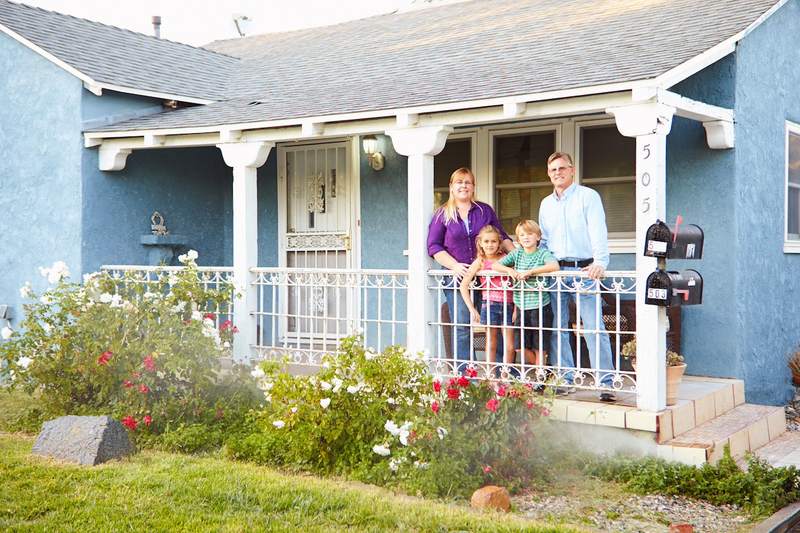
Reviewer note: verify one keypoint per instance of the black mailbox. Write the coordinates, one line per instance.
(661, 241)
(670, 289)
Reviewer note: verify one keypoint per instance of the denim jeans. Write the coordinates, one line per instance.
(589, 317)
(459, 316)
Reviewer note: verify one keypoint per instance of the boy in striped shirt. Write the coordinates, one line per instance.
(534, 315)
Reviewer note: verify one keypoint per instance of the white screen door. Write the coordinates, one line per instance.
(319, 235)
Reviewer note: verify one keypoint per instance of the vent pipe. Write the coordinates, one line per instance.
(157, 26)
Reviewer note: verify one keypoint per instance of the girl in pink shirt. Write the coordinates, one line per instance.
(497, 307)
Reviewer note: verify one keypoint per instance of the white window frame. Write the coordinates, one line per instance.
(790, 246)
(618, 242)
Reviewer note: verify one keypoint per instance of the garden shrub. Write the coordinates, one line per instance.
(383, 418)
(145, 353)
(760, 489)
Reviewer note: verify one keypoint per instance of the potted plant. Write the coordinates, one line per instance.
(675, 368)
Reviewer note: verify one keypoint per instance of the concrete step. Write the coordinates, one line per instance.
(744, 428)
(783, 451)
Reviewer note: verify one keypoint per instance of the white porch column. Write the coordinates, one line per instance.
(650, 123)
(245, 158)
(420, 145)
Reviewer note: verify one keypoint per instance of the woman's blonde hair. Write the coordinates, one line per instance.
(484, 231)
(449, 208)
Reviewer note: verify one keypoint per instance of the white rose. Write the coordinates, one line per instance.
(294, 410)
(182, 258)
(325, 402)
(257, 373)
(192, 255)
(337, 384)
(25, 291)
(45, 299)
(6, 332)
(324, 385)
(352, 389)
(279, 423)
(105, 298)
(381, 450)
(24, 362)
(391, 427)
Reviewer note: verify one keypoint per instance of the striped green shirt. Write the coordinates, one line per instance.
(527, 296)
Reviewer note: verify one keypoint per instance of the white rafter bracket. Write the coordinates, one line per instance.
(647, 118)
(151, 141)
(245, 154)
(229, 135)
(91, 142)
(407, 120)
(112, 158)
(427, 140)
(514, 109)
(719, 134)
(312, 129)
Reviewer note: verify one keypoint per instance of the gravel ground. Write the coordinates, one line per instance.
(652, 513)
(793, 412)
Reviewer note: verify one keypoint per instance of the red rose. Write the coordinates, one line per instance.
(210, 316)
(147, 420)
(437, 385)
(487, 469)
(501, 390)
(435, 407)
(129, 422)
(144, 389)
(529, 386)
(127, 384)
(452, 382)
(514, 393)
(149, 363)
(529, 404)
(104, 358)
(228, 325)
(471, 373)
(453, 394)
(545, 411)
(492, 405)
(463, 382)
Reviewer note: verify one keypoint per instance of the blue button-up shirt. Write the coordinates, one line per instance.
(574, 226)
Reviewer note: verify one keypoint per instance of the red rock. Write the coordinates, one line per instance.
(491, 497)
(681, 528)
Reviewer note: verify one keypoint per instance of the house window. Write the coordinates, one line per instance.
(607, 164)
(793, 186)
(457, 153)
(520, 175)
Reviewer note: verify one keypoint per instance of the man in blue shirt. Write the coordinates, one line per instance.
(573, 226)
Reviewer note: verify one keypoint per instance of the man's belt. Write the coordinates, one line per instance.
(575, 263)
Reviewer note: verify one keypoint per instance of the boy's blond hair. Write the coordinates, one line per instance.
(529, 226)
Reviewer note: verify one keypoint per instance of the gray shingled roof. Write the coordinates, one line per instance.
(460, 52)
(112, 55)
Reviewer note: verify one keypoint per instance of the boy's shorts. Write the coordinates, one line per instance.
(532, 330)
(497, 313)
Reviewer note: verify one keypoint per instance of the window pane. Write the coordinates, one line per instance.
(515, 204)
(457, 153)
(794, 158)
(523, 158)
(605, 153)
(618, 201)
(793, 217)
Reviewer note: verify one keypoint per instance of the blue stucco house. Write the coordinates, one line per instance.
(255, 152)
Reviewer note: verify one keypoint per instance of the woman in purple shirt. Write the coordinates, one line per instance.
(451, 242)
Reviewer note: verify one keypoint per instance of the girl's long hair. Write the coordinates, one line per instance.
(449, 209)
(484, 231)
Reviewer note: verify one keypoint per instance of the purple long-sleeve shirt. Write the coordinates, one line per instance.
(453, 237)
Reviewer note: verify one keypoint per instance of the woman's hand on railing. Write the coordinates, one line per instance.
(459, 269)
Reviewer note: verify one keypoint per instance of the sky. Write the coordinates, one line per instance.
(201, 21)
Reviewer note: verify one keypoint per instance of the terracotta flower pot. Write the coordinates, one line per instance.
(674, 377)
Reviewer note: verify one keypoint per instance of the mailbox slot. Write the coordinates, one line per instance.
(670, 289)
(661, 241)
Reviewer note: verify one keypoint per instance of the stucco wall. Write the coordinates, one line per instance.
(40, 193)
(767, 94)
(701, 187)
(187, 186)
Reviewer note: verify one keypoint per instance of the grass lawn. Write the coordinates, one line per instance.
(166, 492)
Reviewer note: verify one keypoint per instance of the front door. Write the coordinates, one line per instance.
(319, 231)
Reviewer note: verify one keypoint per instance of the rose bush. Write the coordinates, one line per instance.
(142, 352)
(383, 418)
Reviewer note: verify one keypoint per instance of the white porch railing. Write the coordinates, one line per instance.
(611, 302)
(210, 277)
(303, 313)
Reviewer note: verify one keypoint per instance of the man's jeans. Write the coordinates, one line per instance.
(589, 315)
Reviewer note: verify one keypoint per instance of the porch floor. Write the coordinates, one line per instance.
(710, 414)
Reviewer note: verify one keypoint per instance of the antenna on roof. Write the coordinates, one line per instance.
(238, 20)
(157, 26)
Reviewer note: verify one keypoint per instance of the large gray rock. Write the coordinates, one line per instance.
(87, 440)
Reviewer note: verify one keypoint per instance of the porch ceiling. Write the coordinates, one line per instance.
(465, 54)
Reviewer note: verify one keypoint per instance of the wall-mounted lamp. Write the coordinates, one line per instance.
(375, 158)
